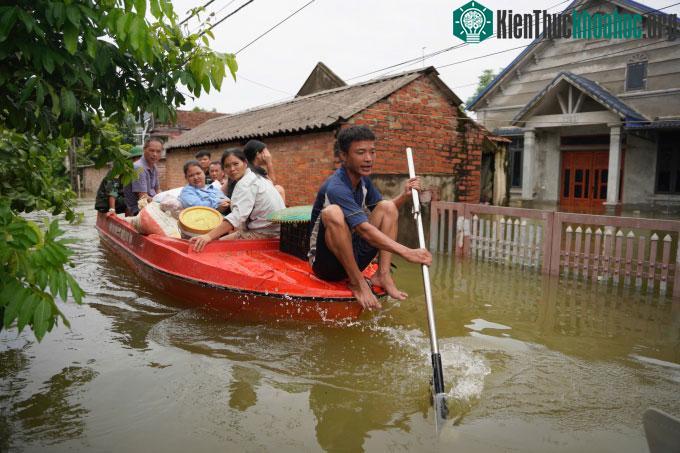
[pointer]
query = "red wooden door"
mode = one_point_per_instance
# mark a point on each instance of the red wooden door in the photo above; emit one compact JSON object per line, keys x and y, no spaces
{"x":584,"y":179}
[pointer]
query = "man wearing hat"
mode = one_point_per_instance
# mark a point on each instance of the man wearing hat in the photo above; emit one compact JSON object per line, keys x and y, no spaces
{"x":110,"y":197}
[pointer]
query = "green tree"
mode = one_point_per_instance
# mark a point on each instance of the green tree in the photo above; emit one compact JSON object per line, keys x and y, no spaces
{"x":201,"y":109}
{"x":484,"y":80}
{"x":69,"y":68}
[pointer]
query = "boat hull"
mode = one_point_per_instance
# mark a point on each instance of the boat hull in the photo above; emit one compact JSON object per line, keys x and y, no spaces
{"x":256,"y":281}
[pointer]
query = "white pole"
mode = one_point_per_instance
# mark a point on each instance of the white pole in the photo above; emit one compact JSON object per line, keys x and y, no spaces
{"x":421,"y":241}
{"x":438,"y":395}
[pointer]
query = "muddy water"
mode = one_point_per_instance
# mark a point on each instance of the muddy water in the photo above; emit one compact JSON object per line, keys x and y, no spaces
{"x":530,"y":365}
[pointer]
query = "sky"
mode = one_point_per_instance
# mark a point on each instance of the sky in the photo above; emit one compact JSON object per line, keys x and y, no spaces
{"x":353,"y":38}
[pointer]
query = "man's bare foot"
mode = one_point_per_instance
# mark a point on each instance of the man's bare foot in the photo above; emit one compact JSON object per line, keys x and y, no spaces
{"x":385,"y":282}
{"x":364,"y":295}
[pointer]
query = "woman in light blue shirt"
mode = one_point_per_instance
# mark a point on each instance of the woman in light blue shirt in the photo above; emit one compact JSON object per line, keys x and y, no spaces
{"x":197,"y":193}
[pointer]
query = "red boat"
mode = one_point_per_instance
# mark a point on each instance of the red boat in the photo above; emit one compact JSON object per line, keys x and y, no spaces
{"x":249,"y":279}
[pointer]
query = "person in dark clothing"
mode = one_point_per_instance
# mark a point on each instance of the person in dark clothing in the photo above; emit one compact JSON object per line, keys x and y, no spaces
{"x":110,"y":197}
{"x":203,"y":158}
{"x":351,"y":223}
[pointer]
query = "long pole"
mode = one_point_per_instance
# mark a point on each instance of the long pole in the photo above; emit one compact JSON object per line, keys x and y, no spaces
{"x":438,"y":397}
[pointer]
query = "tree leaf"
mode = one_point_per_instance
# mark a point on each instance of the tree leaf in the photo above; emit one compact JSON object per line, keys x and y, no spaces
{"x":91,"y":45}
{"x":48,"y":62}
{"x":41,"y":317}
{"x":155,"y":9}
{"x":37,"y":235}
{"x":140,"y":6}
{"x":39,"y":94}
{"x":166,"y":6}
{"x":52,"y":280}
{"x":59,"y":14}
{"x":68,"y":107}
{"x":28,"y":89}
{"x":27,"y":20}
{"x":63,"y":286}
{"x":73,"y":15}
{"x":217,"y":73}
{"x":76,"y":292}
{"x":12,"y":309}
{"x":121,"y":29}
{"x":26,"y":311}
{"x":8,"y":291}
{"x":70,"y":38}
{"x":137,"y":32}
{"x":7,"y":21}
{"x":231,"y":64}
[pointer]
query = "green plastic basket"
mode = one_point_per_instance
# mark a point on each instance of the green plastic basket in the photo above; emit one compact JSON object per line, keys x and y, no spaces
{"x":295,"y":214}
{"x":294,"y":229}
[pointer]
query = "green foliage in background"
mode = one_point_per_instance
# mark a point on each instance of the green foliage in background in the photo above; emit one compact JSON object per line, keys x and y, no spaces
{"x":484,"y":79}
{"x":79,"y":68}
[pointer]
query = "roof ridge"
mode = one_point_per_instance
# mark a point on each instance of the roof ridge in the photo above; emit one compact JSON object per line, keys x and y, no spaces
{"x":313,"y":111}
{"x":331,"y":91}
{"x":533,"y":45}
{"x":591,"y":87}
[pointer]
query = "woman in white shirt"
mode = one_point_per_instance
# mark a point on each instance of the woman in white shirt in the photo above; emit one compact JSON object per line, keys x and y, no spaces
{"x":260,"y":161}
{"x":253,"y":199}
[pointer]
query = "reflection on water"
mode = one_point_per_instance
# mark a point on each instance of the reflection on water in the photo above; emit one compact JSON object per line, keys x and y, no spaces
{"x":242,"y":388}
{"x":49,"y":415}
{"x":530,"y":364}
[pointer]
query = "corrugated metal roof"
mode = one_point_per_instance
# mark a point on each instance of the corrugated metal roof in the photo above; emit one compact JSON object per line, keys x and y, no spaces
{"x":310,"y":112}
{"x":592,"y":89}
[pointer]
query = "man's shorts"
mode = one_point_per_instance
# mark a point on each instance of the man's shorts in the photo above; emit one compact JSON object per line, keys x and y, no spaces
{"x":327,"y":267}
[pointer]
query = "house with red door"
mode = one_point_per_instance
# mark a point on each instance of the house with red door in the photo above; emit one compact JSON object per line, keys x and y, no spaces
{"x":593,"y":123}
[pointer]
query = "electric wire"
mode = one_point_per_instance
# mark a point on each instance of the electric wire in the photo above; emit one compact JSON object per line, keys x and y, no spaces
{"x":494,"y":120}
{"x":195,"y":11}
{"x":225,"y":17}
{"x":273,"y":27}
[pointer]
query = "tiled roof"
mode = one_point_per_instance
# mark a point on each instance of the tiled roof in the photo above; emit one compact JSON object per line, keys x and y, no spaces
{"x":188,"y":119}
{"x":592,"y":89}
{"x":657,"y":124}
{"x":314,"y":111}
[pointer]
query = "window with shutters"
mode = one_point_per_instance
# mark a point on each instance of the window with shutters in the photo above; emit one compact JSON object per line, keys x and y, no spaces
{"x":636,"y":76}
{"x":515,"y":161}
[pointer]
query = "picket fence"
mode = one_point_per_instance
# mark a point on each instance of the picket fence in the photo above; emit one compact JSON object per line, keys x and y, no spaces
{"x":619,"y":250}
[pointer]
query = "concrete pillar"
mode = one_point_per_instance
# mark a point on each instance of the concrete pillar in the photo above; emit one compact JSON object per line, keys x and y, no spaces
{"x":614,"y":173}
{"x":528,"y":164}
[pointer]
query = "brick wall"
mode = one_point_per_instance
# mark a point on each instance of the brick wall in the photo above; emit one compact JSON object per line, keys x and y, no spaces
{"x":418,"y":115}
{"x":301,"y":162}
{"x":91,"y":178}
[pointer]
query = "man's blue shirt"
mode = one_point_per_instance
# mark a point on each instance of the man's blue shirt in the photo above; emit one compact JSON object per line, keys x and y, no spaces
{"x":354,"y":202}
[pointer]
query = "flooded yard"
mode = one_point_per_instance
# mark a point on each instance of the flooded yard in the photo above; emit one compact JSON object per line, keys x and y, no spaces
{"x":530,"y":364}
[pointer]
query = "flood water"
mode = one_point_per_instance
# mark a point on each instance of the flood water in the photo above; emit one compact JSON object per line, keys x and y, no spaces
{"x":529,"y":364}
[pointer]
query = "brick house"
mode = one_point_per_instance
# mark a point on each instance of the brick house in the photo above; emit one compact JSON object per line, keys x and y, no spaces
{"x":186,"y":120}
{"x":413,"y":109}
